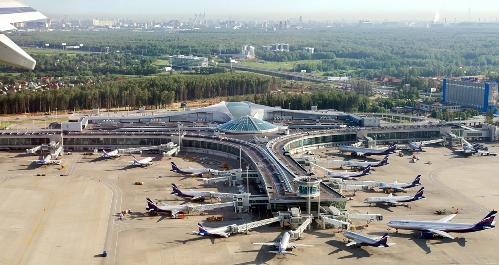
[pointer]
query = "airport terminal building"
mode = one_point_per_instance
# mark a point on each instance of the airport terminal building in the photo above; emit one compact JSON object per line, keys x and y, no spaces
{"x":482,"y":96}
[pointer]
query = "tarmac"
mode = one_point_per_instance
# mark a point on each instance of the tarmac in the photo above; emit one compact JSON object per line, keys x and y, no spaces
{"x":70,"y":215}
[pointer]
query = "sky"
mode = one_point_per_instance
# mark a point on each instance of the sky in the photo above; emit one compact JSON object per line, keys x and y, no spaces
{"x":259,"y":9}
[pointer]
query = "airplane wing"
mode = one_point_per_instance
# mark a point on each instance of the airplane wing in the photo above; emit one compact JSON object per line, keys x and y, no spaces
{"x":196,"y":198}
{"x":352,"y":243}
{"x":440,"y":233}
{"x":14,"y":12}
{"x":447,"y":218}
{"x":294,"y":245}
{"x":212,"y":206}
{"x":267,"y":244}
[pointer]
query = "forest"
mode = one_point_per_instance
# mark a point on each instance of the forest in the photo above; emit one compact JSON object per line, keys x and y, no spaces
{"x":357,"y":51}
{"x":137,"y":92}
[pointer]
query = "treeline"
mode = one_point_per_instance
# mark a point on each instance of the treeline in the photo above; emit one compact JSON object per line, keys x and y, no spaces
{"x":334,"y":99}
{"x":138,"y":92}
{"x":89,"y":64}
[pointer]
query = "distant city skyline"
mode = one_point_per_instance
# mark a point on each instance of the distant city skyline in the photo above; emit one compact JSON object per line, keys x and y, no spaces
{"x":276,"y":9}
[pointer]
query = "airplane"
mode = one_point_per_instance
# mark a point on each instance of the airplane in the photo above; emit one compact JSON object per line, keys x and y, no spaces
{"x":191,"y":171}
{"x":110,"y":155}
{"x":173,"y":210}
{"x":46,"y":161}
{"x":364,"y":164}
{"x":283,"y":246}
{"x":399,"y":187}
{"x":11,"y":53}
{"x":349,"y":175}
{"x":442,"y":227}
{"x":361,"y":151}
{"x":145,"y":162}
{"x":467,"y":148}
{"x":223,"y":231}
{"x":359,"y":240}
{"x":395,"y":200}
{"x":194,"y":195}
{"x":416,"y":146}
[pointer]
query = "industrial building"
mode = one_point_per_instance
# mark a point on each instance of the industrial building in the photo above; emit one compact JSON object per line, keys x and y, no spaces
{"x":482,"y":96}
{"x":280,"y":47}
{"x":248,"y":52}
{"x":190,"y":62}
{"x":309,"y":50}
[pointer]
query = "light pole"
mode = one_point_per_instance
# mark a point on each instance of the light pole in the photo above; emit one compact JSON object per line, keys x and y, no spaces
{"x":247,"y":179}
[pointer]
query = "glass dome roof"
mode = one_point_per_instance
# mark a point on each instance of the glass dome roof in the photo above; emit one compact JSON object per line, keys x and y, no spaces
{"x":248,"y":124}
{"x":238,"y":109}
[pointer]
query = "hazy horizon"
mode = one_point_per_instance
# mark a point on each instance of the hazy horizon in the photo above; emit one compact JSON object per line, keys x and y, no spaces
{"x":424,"y":10}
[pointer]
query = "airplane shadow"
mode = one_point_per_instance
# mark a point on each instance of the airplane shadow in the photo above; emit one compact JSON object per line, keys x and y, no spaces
{"x":355,"y":252}
{"x":384,"y":207}
{"x":127,"y":167}
{"x":137,"y":215}
{"x":97,"y":159}
{"x":420,"y":242}
{"x":263,"y":255}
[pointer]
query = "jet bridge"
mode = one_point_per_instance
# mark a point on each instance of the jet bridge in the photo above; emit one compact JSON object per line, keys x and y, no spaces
{"x":33,"y":150}
{"x":345,"y":215}
{"x":244,"y":228}
{"x":297,"y":233}
{"x":334,"y":223}
{"x":170,"y":149}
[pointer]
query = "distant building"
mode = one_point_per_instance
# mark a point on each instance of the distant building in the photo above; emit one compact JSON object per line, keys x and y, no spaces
{"x":248,"y":52}
{"x":188,"y":62}
{"x":104,"y":23}
{"x":482,"y":96}
{"x":309,"y":50}
{"x":280,"y":47}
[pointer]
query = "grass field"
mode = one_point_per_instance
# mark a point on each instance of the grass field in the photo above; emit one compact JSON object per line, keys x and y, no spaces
{"x":283,"y":66}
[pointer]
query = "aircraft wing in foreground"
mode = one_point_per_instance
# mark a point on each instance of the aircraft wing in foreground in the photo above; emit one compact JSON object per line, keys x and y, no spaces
{"x":14,"y":12}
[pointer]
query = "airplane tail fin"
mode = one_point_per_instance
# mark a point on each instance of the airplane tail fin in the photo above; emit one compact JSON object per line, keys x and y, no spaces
{"x":419,"y":194}
{"x":392,"y":148}
{"x":382,"y":242}
{"x":150,"y":205}
{"x":417,"y":181}
{"x":367,"y":169}
{"x":174,"y":167}
{"x":384,"y":161}
{"x":487,"y":221}
{"x":175,"y":189}
{"x":201,"y":230}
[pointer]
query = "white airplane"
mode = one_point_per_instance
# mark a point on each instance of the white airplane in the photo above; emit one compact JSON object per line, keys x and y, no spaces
{"x":418,"y":146}
{"x":349,"y":175}
{"x":145,"y":162}
{"x":192,"y":171}
{"x":173,"y":210}
{"x":442,"y":227}
{"x":399,"y":187}
{"x":46,"y":161}
{"x":467,"y":149}
{"x":283,"y":246}
{"x":194,"y":195}
{"x":395,"y":200}
{"x":361,"y":151}
{"x":110,"y":155}
{"x":364,"y":164}
{"x":223,"y":231}
{"x":359,"y":240}
{"x":15,"y":12}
